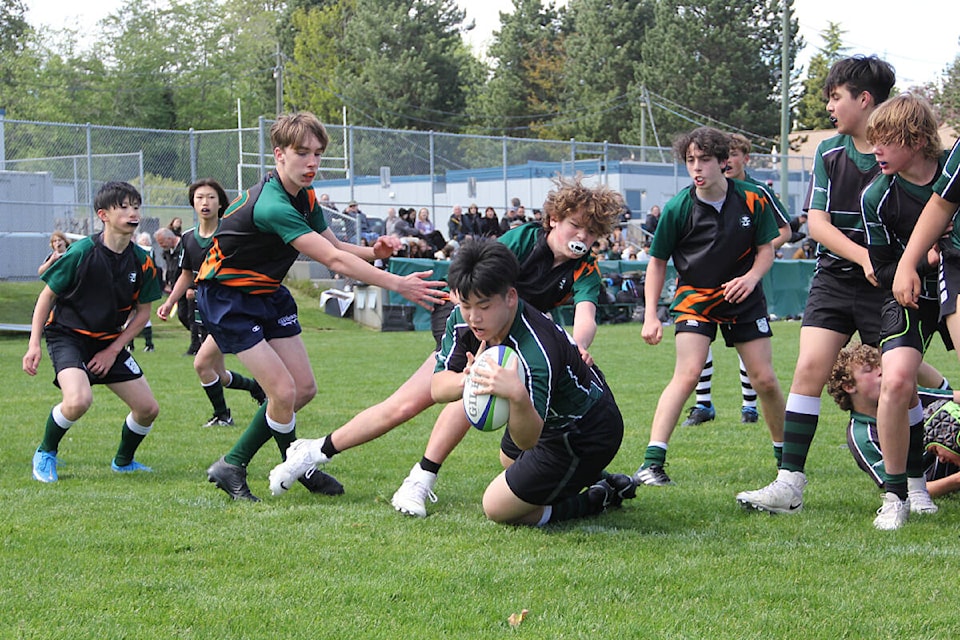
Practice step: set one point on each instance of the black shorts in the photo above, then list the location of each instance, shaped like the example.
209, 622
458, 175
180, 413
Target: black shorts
903, 327
71, 350
239, 320
949, 285
846, 305
733, 333
563, 463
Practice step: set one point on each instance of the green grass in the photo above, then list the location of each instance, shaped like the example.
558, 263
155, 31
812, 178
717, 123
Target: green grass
99, 555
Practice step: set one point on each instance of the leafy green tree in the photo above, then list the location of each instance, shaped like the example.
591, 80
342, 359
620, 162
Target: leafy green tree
717, 62
522, 96
948, 99
602, 70
406, 66
319, 47
14, 35
811, 109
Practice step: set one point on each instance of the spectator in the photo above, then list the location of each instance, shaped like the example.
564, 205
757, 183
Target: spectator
423, 224
326, 202
455, 226
512, 218
390, 222
58, 245
798, 228
490, 227
650, 222
172, 251
806, 251
403, 227
176, 225
362, 224
472, 221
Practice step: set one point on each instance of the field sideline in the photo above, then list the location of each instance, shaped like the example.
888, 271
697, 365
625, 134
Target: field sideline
99, 555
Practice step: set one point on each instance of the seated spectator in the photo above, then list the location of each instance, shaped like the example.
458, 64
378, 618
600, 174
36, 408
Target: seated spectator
798, 228
424, 224
806, 251
512, 218
472, 225
456, 227
403, 227
58, 245
176, 225
326, 202
490, 227
389, 223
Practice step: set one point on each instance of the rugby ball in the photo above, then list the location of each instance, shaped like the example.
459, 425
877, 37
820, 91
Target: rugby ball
487, 412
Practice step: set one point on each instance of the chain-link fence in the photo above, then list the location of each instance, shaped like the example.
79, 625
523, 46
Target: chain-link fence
49, 173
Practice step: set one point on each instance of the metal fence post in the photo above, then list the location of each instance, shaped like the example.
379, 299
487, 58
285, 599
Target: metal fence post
433, 179
3, 136
193, 155
261, 144
90, 212
506, 188
350, 165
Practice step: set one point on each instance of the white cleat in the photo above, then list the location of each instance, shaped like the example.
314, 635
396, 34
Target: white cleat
411, 498
302, 457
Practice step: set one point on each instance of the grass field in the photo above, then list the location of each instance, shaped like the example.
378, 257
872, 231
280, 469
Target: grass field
164, 555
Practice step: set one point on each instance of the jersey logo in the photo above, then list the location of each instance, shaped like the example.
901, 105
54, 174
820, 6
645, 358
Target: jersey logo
745, 222
132, 276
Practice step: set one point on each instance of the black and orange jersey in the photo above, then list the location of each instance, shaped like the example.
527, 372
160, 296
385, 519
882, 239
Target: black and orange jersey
195, 249
97, 288
540, 283
711, 247
251, 249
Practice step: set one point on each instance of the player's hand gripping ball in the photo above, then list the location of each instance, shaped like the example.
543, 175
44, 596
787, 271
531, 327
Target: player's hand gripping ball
488, 412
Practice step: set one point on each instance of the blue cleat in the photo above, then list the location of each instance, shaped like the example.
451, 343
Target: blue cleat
45, 466
749, 415
699, 414
130, 468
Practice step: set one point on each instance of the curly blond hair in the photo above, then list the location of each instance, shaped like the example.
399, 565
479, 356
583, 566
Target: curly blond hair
851, 357
601, 205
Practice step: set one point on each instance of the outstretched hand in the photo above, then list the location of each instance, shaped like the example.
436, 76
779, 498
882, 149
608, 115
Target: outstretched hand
385, 246
417, 289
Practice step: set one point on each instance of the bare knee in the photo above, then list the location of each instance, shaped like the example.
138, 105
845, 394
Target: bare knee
147, 413
306, 390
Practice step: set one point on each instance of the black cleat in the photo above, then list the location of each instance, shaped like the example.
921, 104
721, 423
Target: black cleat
320, 482
232, 479
257, 394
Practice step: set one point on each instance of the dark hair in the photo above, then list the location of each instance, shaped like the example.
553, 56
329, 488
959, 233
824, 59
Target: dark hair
210, 182
712, 142
112, 194
484, 268
861, 73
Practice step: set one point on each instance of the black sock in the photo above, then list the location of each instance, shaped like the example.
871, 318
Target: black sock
429, 465
328, 449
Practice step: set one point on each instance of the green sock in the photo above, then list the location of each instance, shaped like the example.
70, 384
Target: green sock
654, 455
256, 435
129, 441
577, 506
798, 432
237, 381
284, 440
214, 392
52, 435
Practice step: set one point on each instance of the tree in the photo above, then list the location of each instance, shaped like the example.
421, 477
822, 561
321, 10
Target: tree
717, 62
948, 98
14, 33
522, 95
811, 109
602, 70
319, 47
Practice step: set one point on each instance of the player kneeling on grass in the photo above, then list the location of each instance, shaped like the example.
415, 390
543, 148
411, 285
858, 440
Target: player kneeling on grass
89, 295
564, 427
855, 386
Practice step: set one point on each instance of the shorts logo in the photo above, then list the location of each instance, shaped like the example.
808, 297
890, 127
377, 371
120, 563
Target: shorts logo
255, 328
762, 325
286, 321
745, 222
132, 365
692, 323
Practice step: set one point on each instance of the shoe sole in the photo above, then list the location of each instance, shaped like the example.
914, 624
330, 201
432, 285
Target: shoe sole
746, 504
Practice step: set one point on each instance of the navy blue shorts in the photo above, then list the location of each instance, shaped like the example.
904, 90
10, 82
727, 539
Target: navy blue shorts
563, 463
71, 350
239, 321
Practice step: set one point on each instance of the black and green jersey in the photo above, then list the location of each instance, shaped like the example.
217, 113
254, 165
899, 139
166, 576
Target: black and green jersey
947, 187
840, 174
540, 283
891, 207
251, 249
562, 387
195, 249
97, 288
709, 248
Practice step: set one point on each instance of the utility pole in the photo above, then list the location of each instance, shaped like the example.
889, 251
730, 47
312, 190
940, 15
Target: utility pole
278, 76
785, 106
